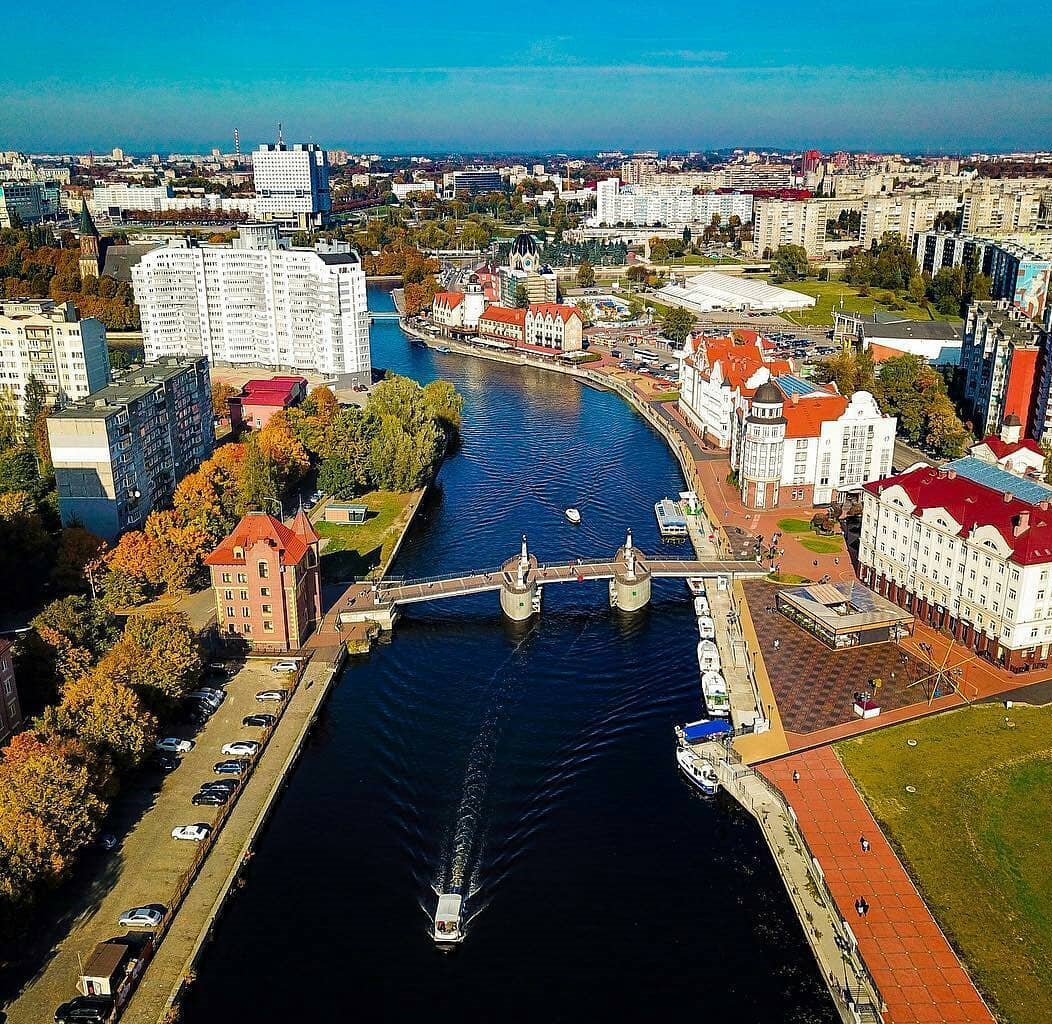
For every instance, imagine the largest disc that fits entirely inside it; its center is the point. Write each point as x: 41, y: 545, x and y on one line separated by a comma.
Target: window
x: 266, y: 609
x: 246, y: 628
x: 230, y: 612
x: 245, y: 612
x: 228, y: 595
x: 264, y: 591
x: 225, y: 577
x: 242, y: 577
x: 244, y: 595
x: 268, y: 626
x: 264, y: 570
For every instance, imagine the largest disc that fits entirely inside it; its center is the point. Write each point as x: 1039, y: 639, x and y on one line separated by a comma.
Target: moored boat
x: 706, y: 628
x: 698, y: 771
x: 573, y: 515
x: 447, y: 919
x: 708, y: 656
x: 714, y: 690
x: 701, y: 605
x: 696, y: 585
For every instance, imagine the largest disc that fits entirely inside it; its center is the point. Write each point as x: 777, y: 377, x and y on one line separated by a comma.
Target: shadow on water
x: 533, y: 761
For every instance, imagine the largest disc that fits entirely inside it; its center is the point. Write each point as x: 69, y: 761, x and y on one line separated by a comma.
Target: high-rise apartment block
x: 121, y: 451
x: 47, y: 341
x: 257, y: 302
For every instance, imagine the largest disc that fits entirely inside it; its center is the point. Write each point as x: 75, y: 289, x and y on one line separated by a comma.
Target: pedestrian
x: 864, y: 843
x: 796, y: 776
x: 777, y: 644
x: 815, y: 562
x: 864, y: 906
x: 836, y: 561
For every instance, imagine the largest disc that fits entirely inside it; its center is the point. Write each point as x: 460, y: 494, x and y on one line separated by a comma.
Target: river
x: 534, y: 763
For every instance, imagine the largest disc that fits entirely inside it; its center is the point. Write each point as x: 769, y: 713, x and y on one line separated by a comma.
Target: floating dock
x: 670, y: 518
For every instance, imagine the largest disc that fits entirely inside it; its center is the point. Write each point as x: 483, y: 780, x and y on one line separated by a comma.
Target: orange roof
x: 256, y: 528
x: 804, y: 418
x: 450, y: 299
x: 303, y: 527
x: 554, y: 309
x: 502, y: 314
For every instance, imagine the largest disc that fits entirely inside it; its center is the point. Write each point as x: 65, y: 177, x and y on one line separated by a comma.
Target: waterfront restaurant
x: 844, y: 615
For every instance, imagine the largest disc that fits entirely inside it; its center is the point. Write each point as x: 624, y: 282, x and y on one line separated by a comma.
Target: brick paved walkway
x: 919, y: 975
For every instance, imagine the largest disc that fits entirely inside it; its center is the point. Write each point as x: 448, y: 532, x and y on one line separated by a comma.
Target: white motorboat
x: 447, y: 919
x: 706, y: 628
x: 708, y: 656
x: 573, y: 515
x: 696, y: 585
x: 714, y: 690
x: 698, y: 771
x: 701, y: 605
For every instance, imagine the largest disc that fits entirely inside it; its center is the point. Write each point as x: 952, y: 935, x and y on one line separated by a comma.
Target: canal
x: 534, y: 764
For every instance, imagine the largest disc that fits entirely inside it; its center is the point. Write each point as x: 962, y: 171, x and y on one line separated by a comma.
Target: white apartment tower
x: 257, y: 302
x: 292, y: 184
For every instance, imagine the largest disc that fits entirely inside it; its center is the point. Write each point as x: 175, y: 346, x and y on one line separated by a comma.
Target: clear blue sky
x: 409, y: 75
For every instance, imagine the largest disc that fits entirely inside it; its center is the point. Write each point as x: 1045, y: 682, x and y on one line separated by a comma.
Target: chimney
x: 1007, y: 498
x: 794, y: 398
x: 1043, y: 505
x: 1011, y: 429
x: 1022, y: 524
x: 951, y: 474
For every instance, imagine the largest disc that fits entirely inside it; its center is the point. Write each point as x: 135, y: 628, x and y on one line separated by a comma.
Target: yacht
x: 696, y: 585
x: 697, y: 770
x: 706, y: 627
x: 444, y: 349
x: 714, y: 690
x: 701, y: 605
x: 573, y: 515
x: 447, y: 919
x: 708, y: 656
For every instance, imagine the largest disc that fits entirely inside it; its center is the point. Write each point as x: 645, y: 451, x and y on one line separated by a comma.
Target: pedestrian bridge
x: 392, y: 315
x: 520, y: 582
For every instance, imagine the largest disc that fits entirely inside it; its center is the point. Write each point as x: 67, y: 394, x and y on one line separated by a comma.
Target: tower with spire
x: 90, y: 249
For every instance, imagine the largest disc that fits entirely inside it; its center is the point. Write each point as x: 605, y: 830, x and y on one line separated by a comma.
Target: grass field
x: 794, y: 526
x: 823, y: 545
x: 975, y: 836
x: 828, y: 295
x: 354, y: 552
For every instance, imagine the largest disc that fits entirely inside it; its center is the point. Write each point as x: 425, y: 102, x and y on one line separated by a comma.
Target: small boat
x: 573, y: 515
x: 703, y: 730
x: 447, y: 919
x: 698, y: 771
x: 706, y: 628
x: 696, y: 585
x: 701, y: 605
x: 444, y: 349
x: 714, y: 690
x: 708, y: 656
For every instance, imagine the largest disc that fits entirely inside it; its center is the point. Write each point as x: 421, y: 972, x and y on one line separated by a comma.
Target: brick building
x: 266, y: 581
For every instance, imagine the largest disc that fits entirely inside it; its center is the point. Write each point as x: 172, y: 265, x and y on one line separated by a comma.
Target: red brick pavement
x: 918, y: 974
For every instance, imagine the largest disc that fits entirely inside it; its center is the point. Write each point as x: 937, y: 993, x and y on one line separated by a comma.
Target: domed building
x: 526, y: 271
x: 763, y: 441
x: 525, y: 254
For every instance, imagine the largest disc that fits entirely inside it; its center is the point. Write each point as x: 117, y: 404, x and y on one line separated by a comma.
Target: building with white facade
x: 111, y: 200
x: 708, y: 291
x: 257, y: 302
x: 1004, y: 205
x: 802, y: 222
x: 402, y: 190
x: 292, y: 184
x: 966, y: 547
x: 48, y: 341
x: 901, y: 214
x: 553, y: 325
x: 120, y: 452
x: 668, y: 205
x: 459, y: 312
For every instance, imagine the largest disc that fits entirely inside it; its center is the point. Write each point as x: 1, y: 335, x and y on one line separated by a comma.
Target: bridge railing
x: 394, y: 582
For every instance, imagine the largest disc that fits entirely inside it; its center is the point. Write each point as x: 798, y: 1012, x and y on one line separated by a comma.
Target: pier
x: 521, y: 579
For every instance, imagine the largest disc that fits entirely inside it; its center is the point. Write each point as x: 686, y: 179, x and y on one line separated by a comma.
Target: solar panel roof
x: 1025, y: 489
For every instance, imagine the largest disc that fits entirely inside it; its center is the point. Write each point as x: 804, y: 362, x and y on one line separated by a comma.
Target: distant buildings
x: 257, y: 302
x: 46, y: 340
x: 27, y: 202
x: 120, y: 452
x: 266, y: 582
x: 476, y: 181
x: 967, y: 547
x: 777, y: 222
x: 885, y: 336
x: 671, y: 206
x: 292, y: 185
x: 712, y: 291
x: 901, y: 214
x: 261, y: 399
x: 10, y: 708
x: 402, y: 190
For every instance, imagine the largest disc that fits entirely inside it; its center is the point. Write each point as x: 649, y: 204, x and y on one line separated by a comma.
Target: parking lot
x: 147, y: 866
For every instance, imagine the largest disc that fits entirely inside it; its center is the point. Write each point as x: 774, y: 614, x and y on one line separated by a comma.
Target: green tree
x: 522, y: 298
x: 585, y: 275
x: 257, y: 484
x: 789, y: 263
x: 676, y: 324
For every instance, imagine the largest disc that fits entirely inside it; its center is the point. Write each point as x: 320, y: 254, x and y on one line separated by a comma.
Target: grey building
x: 476, y: 181
x: 120, y: 452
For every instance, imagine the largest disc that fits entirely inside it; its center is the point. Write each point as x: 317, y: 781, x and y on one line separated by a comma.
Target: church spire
x: 87, y: 225
x: 90, y: 249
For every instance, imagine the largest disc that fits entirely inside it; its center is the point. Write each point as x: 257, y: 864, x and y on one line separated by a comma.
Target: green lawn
x: 794, y: 525
x: 829, y: 294
x: 355, y: 552
x: 785, y: 577
x: 822, y: 545
x: 975, y: 836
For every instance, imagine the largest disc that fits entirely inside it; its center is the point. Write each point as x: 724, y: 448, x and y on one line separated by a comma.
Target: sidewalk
x: 920, y: 977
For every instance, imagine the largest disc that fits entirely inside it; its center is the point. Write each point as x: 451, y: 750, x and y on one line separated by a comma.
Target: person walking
x: 864, y: 843
x: 796, y: 776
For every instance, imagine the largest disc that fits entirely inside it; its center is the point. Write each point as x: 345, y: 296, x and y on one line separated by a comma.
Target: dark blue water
x: 532, y: 764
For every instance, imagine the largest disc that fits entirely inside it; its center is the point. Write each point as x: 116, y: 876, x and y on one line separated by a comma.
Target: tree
x: 222, y: 392
x: 34, y: 404
x: 522, y: 297
x: 258, y: 480
x: 77, y: 549
x: 947, y: 289
x: 658, y: 250
x: 676, y: 324
x: 585, y: 275
x: 686, y: 236
x: 444, y: 404
x: 789, y: 263
x: 158, y: 656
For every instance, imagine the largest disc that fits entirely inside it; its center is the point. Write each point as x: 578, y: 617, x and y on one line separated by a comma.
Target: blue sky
x: 412, y: 75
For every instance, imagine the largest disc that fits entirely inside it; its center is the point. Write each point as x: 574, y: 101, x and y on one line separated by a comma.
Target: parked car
x: 84, y: 1009
x: 210, y: 798
x: 141, y: 917
x: 193, y: 833
x: 208, y: 695
x: 166, y: 762
x: 284, y: 666
x: 221, y: 786
x: 234, y: 766
x: 274, y: 695
x: 174, y: 745
x: 106, y: 841
x: 258, y: 721
x: 241, y: 748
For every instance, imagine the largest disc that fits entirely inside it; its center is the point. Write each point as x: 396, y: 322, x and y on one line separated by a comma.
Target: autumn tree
x: 77, y: 550
x: 222, y: 392
x: 585, y: 275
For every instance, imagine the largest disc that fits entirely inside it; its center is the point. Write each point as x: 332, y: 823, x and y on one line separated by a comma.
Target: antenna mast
x: 281, y: 135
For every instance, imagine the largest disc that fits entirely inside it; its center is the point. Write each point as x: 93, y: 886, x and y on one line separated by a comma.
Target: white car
x: 195, y: 833
x: 174, y: 745
x: 284, y: 666
x: 141, y: 917
x: 241, y: 747
x: 271, y: 695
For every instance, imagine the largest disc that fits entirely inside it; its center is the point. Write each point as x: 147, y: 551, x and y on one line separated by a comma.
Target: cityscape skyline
x: 929, y: 82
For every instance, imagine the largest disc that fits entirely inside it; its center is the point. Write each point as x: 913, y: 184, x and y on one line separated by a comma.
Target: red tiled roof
x: 254, y: 528
x: 502, y: 314
x: 554, y: 309
x: 805, y: 417
x: 277, y: 391
x: 449, y: 299
x: 1002, y: 448
x: 973, y: 505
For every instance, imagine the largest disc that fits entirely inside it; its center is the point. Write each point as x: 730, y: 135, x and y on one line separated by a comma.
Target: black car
x: 84, y: 1008
x: 220, y: 786
x: 166, y: 762
x: 259, y: 721
x: 210, y: 798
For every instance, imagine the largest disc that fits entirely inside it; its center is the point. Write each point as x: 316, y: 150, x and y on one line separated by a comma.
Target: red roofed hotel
x: 551, y: 325
x: 499, y: 323
x: 266, y: 580
x: 967, y: 547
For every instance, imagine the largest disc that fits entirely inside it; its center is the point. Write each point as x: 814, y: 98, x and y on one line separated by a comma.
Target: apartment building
x: 476, y: 181
x: 257, y: 302
x: 748, y: 176
x: 504, y: 325
x: 670, y: 206
x: 966, y: 547
x: 266, y: 582
x: 900, y: 214
x: 551, y: 325
x: 1004, y: 205
x: 47, y: 341
x: 292, y: 184
x: 800, y: 222
x: 120, y: 452
x: 10, y: 708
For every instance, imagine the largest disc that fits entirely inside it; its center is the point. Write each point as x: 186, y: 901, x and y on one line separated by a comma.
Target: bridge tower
x: 520, y: 593
x: 630, y: 587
